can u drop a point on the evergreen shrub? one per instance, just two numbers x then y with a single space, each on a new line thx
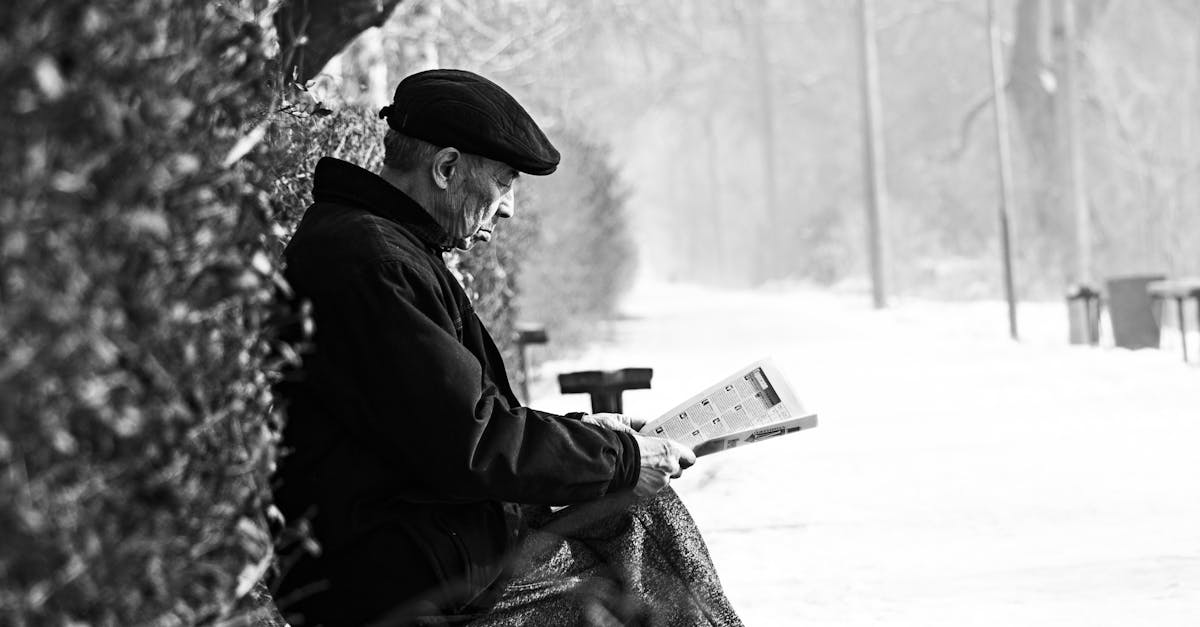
136 430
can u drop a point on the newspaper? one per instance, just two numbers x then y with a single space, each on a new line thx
750 405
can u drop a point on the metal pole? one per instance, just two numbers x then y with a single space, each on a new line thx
1182 325
876 185
1004 160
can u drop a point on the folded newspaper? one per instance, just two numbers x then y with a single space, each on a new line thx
750 405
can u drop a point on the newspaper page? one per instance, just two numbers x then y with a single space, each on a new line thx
752 404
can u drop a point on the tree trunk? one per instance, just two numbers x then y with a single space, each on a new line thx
1033 84
719 235
420 50
373 60
1036 87
311 32
1003 162
1073 182
768 255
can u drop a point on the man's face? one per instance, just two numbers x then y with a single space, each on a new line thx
482 192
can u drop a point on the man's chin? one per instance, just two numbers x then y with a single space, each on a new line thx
480 237
467 242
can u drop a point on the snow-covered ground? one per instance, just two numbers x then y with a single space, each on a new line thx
956 478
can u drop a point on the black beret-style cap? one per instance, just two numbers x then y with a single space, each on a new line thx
468 112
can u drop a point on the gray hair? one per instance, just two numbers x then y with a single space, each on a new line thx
404 153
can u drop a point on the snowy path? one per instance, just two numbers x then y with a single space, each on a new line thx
956 478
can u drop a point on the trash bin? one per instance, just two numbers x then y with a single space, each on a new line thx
1131 310
1083 312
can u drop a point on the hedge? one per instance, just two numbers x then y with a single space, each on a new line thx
136 279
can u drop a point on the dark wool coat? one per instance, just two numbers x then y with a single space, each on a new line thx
406 446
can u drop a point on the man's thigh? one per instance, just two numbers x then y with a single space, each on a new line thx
645 564
557 581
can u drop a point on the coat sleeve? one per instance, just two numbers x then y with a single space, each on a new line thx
421 399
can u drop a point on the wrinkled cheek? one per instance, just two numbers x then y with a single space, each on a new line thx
463 221
470 222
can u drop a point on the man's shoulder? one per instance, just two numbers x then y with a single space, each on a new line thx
338 249
337 233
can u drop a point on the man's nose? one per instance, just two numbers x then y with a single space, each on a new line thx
508 205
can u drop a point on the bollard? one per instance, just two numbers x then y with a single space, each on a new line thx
528 333
1083 311
605 386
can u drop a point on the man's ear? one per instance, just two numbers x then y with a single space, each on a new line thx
445 162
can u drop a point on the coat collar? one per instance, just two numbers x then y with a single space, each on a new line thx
345 183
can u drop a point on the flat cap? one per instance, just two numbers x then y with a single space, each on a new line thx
468 112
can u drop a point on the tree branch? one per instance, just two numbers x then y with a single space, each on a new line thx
968 123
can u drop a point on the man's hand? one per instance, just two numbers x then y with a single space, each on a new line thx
650 482
615 422
662 460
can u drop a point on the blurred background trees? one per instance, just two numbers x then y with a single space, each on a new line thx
736 127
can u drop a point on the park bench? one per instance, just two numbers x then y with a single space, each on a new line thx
1136 307
1179 290
606 387
528 334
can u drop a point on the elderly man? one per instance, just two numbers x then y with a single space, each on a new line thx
407 450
